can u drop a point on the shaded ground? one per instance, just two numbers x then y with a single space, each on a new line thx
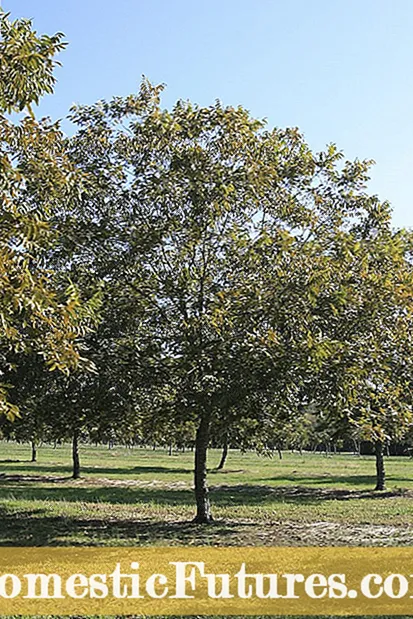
140 497
176 492
37 527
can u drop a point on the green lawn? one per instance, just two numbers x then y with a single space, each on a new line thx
139 496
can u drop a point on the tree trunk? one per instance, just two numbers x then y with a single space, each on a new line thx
75 455
380 473
203 508
223 455
170 449
280 453
34 451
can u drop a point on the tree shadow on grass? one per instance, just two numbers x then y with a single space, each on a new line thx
38 528
63 472
304 495
62 489
328 480
87 470
126 495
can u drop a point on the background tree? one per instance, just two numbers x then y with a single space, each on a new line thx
366 384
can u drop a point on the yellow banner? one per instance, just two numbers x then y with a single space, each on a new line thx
206 581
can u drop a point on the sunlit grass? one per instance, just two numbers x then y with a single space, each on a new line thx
142 496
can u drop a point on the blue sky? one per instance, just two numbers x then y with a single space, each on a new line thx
340 70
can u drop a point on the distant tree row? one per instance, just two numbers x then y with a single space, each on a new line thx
192 275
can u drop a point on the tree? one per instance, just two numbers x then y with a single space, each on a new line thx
185 187
217 241
35 177
29 384
366 384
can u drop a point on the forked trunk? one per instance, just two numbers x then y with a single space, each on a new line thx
75 455
380 472
34 451
223 455
203 508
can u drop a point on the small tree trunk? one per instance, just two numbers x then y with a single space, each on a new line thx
34 451
280 453
203 508
380 472
170 449
223 455
75 455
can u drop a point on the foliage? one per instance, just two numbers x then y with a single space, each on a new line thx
249 290
36 177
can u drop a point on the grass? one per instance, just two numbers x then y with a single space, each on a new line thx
145 497
142 497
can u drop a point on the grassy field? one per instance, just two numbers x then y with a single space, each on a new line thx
138 496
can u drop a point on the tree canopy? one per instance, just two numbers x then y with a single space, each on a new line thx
245 285
36 177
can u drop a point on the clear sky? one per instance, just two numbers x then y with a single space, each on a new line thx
340 70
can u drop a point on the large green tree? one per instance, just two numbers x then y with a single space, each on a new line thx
36 177
218 243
